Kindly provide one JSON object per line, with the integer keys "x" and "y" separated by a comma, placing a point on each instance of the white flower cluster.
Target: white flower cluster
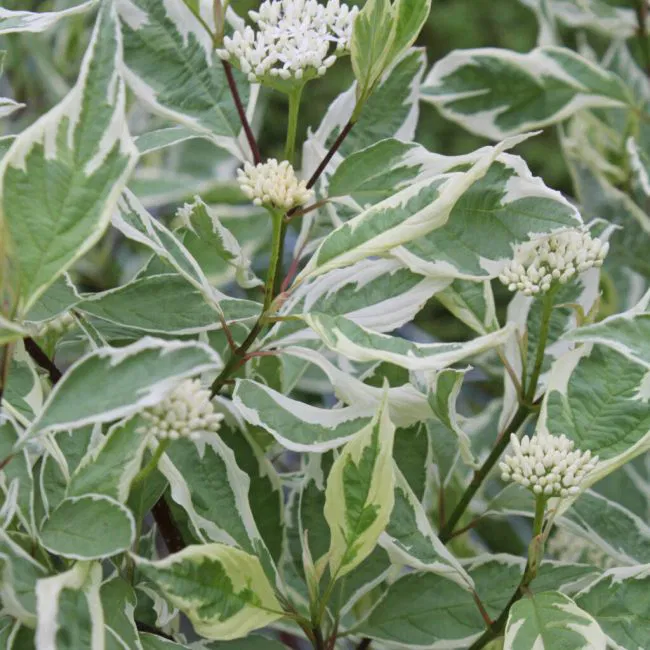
{"x": 273, "y": 184}
{"x": 556, "y": 258}
{"x": 547, "y": 465}
{"x": 185, "y": 413}
{"x": 290, "y": 38}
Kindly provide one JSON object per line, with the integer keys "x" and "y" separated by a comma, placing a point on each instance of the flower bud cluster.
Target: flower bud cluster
{"x": 547, "y": 464}
{"x": 185, "y": 413}
{"x": 59, "y": 325}
{"x": 290, "y": 38}
{"x": 273, "y": 184}
{"x": 556, "y": 258}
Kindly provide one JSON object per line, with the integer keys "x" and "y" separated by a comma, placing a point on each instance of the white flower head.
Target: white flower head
{"x": 553, "y": 259}
{"x": 185, "y": 413}
{"x": 60, "y": 325}
{"x": 547, "y": 465}
{"x": 291, "y": 39}
{"x": 273, "y": 184}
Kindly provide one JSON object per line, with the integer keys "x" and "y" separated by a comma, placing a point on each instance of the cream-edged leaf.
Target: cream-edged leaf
{"x": 359, "y": 494}
{"x": 140, "y": 375}
{"x": 551, "y": 620}
{"x": 62, "y": 176}
{"x": 497, "y": 93}
{"x": 222, "y": 590}
{"x": 360, "y": 344}
{"x": 31, "y": 21}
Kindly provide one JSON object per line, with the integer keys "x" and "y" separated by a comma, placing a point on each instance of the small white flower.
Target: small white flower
{"x": 291, "y": 37}
{"x": 273, "y": 184}
{"x": 547, "y": 464}
{"x": 554, "y": 259}
{"x": 185, "y": 413}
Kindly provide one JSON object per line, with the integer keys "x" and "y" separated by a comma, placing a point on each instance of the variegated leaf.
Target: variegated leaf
{"x": 173, "y": 69}
{"x": 80, "y": 397}
{"x": 30, "y": 21}
{"x": 618, "y": 601}
{"x": 551, "y": 620}
{"x": 166, "y": 304}
{"x": 359, "y": 494}
{"x": 599, "y": 399}
{"x": 69, "y": 609}
{"x": 628, "y": 333}
{"x": 222, "y": 590}
{"x": 410, "y": 539}
{"x": 62, "y": 176}
{"x": 119, "y": 602}
{"x": 294, "y": 424}
{"x": 88, "y": 527}
{"x": 410, "y": 214}
{"x": 497, "y": 93}
{"x": 360, "y": 344}
{"x": 472, "y": 303}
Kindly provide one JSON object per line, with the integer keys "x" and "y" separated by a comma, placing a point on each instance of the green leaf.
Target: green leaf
{"x": 88, "y": 527}
{"x": 173, "y": 69}
{"x": 207, "y": 483}
{"x": 619, "y": 603}
{"x": 118, "y": 602}
{"x": 59, "y": 298}
{"x": 20, "y": 572}
{"x": 69, "y": 609}
{"x": 472, "y": 303}
{"x": 628, "y": 333}
{"x": 222, "y": 590}
{"x": 200, "y": 222}
{"x": 10, "y": 331}
{"x": 110, "y": 467}
{"x": 155, "y": 642}
{"x": 380, "y": 294}
{"x": 424, "y": 609}
{"x": 265, "y": 494}
{"x": 598, "y": 398}
{"x": 551, "y": 620}
{"x": 409, "y": 538}
{"x": 63, "y": 175}
{"x": 359, "y": 494}
{"x": 410, "y": 214}
{"x": 360, "y": 344}
{"x": 381, "y": 33}
{"x": 166, "y": 304}
{"x": 31, "y": 21}
{"x": 496, "y": 93}
{"x": 139, "y": 376}
{"x": 158, "y": 139}
{"x": 294, "y": 424}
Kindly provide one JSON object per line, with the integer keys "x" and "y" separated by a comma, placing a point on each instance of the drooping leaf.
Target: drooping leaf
{"x": 628, "y": 333}
{"x": 359, "y": 494}
{"x": 62, "y": 176}
{"x": 551, "y": 620}
{"x": 361, "y": 344}
{"x": 222, "y": 590}
{"x": 497, "y": 93}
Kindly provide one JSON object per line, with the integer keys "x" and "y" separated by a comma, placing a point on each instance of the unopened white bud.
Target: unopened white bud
{"x": 547, "y": 465}
{"x": 185, "y": 413}
{"x": 556, "y": 258}
{"x": 273, "y": 184}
